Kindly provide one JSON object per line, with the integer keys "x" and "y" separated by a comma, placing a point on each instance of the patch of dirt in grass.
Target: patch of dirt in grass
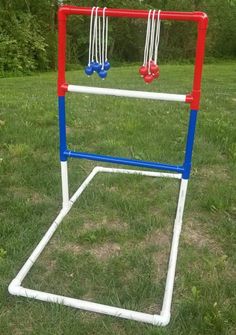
{"x": 50, "y": 265}
{"x": 27, "y": 194}
{"x": 72, "y": 248}
{"x": 218, "y": 170}
{"x": 105, "y": 223}
{"x": 158, "y": 237}
{"x": 88, "y": 317}
{"x": 161, "y": 239}
{"x": 153, "y": 309}
{"x": 195, "y": 235}
{"x": 105, "y": 251}
{"x": 37, "y": 198}
{"x": 112, "y": 189}
{"x": 69, "y": 130}
{"x": 102, "y": 251}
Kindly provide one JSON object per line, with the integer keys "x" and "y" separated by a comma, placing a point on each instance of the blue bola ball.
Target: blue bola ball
{"x": 89, "y": 70}
{"x": 107, "y": 66}
{"x": 102, "y": 74}
{"x": 97, "y": 67}
{"x": 94, "y": 65}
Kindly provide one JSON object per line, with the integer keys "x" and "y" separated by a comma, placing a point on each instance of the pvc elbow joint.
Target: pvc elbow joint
{"x": 14, "y": 287}
{"x": 161, "y": 320}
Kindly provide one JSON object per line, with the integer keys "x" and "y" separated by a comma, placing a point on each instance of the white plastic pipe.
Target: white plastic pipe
{"x": 140, "y": 172}
{"x": 65, "y": 185}
{"x": 166, "y": 307}
{"x": 127, "y": 93}
{"x": 87, "y": 305}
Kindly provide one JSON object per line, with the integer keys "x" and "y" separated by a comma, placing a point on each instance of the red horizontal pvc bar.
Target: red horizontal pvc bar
{"x": 137, "y": 14}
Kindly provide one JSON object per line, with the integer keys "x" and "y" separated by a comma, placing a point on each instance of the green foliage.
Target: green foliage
{"x": 28, "y": 33}
{"x": 22, "y": 49}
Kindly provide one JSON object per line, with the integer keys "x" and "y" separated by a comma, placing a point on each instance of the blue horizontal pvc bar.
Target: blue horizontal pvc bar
{"x": 124, "y": 161}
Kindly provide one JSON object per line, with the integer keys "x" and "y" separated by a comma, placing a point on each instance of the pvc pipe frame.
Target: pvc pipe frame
{"x": 193, "y": 99}
{"x": 161, "y": 319}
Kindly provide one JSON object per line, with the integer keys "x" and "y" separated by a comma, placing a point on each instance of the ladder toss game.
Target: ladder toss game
{"x": 98, "y": 62}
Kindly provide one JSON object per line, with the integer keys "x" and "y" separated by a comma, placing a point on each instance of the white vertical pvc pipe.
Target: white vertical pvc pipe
{"x": 174, "y": 250}
{"x": 65, "y": 185}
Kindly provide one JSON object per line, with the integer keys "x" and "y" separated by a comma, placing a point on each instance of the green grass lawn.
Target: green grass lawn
{"x": 113, "y": 247}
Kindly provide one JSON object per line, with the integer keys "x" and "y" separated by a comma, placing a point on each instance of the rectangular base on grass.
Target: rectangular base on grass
{"x": 161, "y": 319}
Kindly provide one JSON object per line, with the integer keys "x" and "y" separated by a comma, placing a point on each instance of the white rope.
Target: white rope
{"x": 106, "y": 47}
{"x": 157, "y": 39}
{"x": 95, "y": 35}
{"x": 151, "y": 47}
{"x": 146, "y": 49}
{"x": 91, "y": 37}
{"x": 99, "y": 40}
{"x": 103, "y": 36}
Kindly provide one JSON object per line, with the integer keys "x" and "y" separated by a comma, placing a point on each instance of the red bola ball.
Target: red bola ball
{"x": 148, "y": 78}
{"x": 154, "y": 68}
{"x": 156, "y": 75}
{"x": 143, "y": 71}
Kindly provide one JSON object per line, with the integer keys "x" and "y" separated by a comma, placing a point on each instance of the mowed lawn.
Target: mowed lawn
{"x": 113, "y": 246}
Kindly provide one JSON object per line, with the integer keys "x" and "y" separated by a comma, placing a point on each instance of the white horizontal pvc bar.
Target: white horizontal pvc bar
{"x": 140, "y": 172}
{"x": 127, "y": 93}
{"x": 89, "y": 306}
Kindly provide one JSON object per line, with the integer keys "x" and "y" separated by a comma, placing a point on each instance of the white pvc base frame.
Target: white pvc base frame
{"x": 161, "y": 319}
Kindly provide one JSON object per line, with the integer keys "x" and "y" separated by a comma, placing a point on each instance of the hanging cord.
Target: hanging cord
{"x": 106, "y": 46}
{"x": 152, "y": 40}
{"x": 99, "y": 41}
{"x": 91, "y": 38}
{"x": 94, "y": 35}
{"x": 104, "y": 34}
{"x": 157, "y": 39}
{"x": 146, "y": 49}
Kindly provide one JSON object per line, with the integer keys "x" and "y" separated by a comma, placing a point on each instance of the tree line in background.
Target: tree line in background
{"x": 28, "y": 33}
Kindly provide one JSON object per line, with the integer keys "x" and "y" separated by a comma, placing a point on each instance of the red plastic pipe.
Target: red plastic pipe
{"x": 137, "y": 14}
{"x": 199, "y": 17}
